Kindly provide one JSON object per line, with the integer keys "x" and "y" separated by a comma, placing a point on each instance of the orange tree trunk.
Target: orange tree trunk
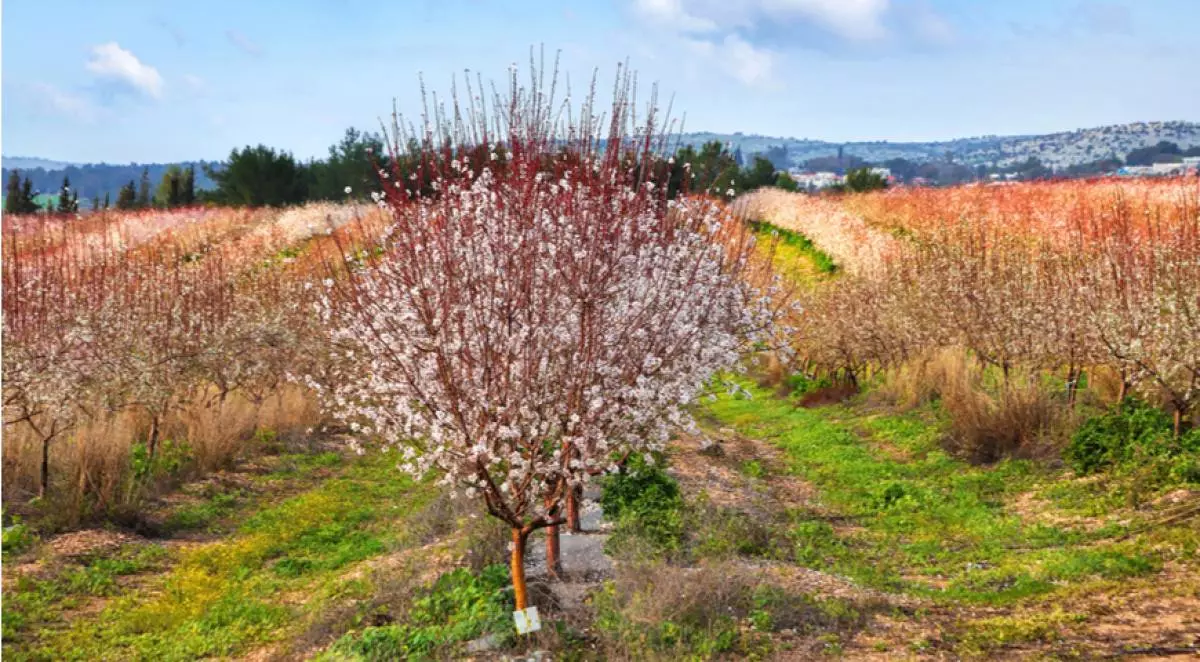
{"x": 553, "y": 558}
{"x": 518, "y": 568}
{"x": 573, "y": 497}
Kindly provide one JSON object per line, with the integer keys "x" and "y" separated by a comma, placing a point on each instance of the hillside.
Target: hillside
{"x": 31, "y": 162}
{"x": 1056, "y": 149}
{"x": 94, "y": 179}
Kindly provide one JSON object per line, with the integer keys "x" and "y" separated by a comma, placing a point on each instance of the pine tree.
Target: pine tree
{"x": 12, "y": 194}
{"x": 143, "y": 191}
{"x": 188, "y": 196}
{"x": 105, "y": 200}
{"x": 68, "y": 200}
{"x": 28, "y": 204}
{"x": 170, "y": 188}
{"x": 127, "y": 198}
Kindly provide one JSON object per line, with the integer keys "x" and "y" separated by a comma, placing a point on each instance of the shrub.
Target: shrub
{"x": 717, "y": 610}
{"x": 646, "y": 504}
{"x": 17, "y": 536}
{"x": 1134, "y": 429}
{"x": 985, "y": 428}
{"x": 458, "y": 607}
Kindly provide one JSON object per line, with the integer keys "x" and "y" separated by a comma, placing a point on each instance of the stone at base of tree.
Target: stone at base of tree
{"x": 483, "y": 644}
{"x": 711, "y": 447}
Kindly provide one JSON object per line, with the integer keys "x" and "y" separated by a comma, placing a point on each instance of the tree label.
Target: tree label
{"x": 527, "y": 620}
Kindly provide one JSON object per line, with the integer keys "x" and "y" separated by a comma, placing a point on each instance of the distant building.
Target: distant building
{"x": 815, "y": 180}
{"x": 1156, "y": 170}
{"x": 1164, "y": 169}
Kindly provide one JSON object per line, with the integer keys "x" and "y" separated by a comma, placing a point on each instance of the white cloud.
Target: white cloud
{"x": 857, "y": 20}
{"x": 244, "y": 43}
{"x": 672, "y": 14}
{"x": 111, "y": 61}
{"x": 752, "y": 66}
{"x": 735, "y": 57}
{"x": 65, "y": 103}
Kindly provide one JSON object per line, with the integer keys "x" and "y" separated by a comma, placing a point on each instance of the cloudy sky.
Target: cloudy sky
{"x": 142, "y": 80}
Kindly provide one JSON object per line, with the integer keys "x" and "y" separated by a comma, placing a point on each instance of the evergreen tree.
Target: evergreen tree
{"x": 188, "y": 196}
{"x": 12, "y": 194}
{"x": 143, "y": 192}
{"x": 758, "y": 175}
{"x": 170, "y": 189}
{"x": 127, "y": 198}
{"x": 257, "y": 176}
{"x": 95, "y": 202}
{"x": 68, "y": 200}
{"x": 28, "y": 203}
{"x": 354, "y": 162}
{"x": 105, "y": 200}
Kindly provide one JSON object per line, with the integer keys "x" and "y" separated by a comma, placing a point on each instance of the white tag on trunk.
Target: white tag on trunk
{"x": 527, "y": 620}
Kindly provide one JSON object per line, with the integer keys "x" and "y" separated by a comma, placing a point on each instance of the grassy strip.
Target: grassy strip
{"x": 927, "y": 524}
{"x": 790, "y": 247}
{"x": 223, "y": 598}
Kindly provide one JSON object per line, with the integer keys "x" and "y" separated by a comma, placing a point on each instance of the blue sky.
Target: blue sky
{"x": 145, "y": 80}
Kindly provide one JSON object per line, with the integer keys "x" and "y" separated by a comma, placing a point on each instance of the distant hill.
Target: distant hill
{"x": 30, "y": 162}
{"x": 1057, "y": 150}
{"x": 95, "y": 180}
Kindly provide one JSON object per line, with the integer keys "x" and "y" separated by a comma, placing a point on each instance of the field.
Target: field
{"x": 981, "y": 441}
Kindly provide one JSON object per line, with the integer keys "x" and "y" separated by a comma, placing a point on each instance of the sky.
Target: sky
{"x": 147, "y": 81}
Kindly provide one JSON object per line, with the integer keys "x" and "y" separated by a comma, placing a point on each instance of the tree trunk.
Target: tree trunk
{"x": 1072, "y": 385}
{"x": 553, "y": 558}
{"x": 152, "y": 445}
{"x": 518, "y": 568}
{"x": 574, "y": 496}
{"x": 1124, "y": 388}
{"x": 1178, "y": 420}
{"x": 45, "y": 483}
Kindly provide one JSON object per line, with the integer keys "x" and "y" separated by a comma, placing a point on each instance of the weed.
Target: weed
{"x": 17, "y": 536}
{"x": 457, "y": 607}
{"x": 646, "y": 504}
{"x": 204, "y": 513}
{"x": 753, "y": 469}
{"x": 1133, "y": 431}
{"x": 989, "y": 634}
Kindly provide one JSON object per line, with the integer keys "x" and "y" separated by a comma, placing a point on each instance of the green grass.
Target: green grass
{"x": 795, "y": 256}
{"x": 457, "y": 607}
{"x": 927, "y": 524}
{"x": 224, "y": 598}
{"x": 203, "y": 514}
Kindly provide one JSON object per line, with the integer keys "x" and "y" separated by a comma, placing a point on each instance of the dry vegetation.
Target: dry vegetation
{"x": 151, "y": 355}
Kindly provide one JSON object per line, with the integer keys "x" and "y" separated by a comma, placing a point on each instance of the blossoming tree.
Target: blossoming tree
{"x": 539, "y": 309}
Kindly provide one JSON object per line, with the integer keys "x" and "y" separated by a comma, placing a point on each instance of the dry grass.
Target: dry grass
{"x": 923, "y": 380}
{"x": 1021, "y": 421}
{"x": 1017, "y": 418}
{"x": 91, "y": 469}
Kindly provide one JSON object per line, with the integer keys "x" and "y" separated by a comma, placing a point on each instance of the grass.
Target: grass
{"x": 795, "y": 256}
{"x": 256, "y": 585}
{"x": 458, "y": 607}
{"x": 925, "y": 524}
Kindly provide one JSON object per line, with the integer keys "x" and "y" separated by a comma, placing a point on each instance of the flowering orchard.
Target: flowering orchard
{"x": 143, "y": 318}
{"x": 1061, "y": 277}
{"x": 542, "y": 311}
